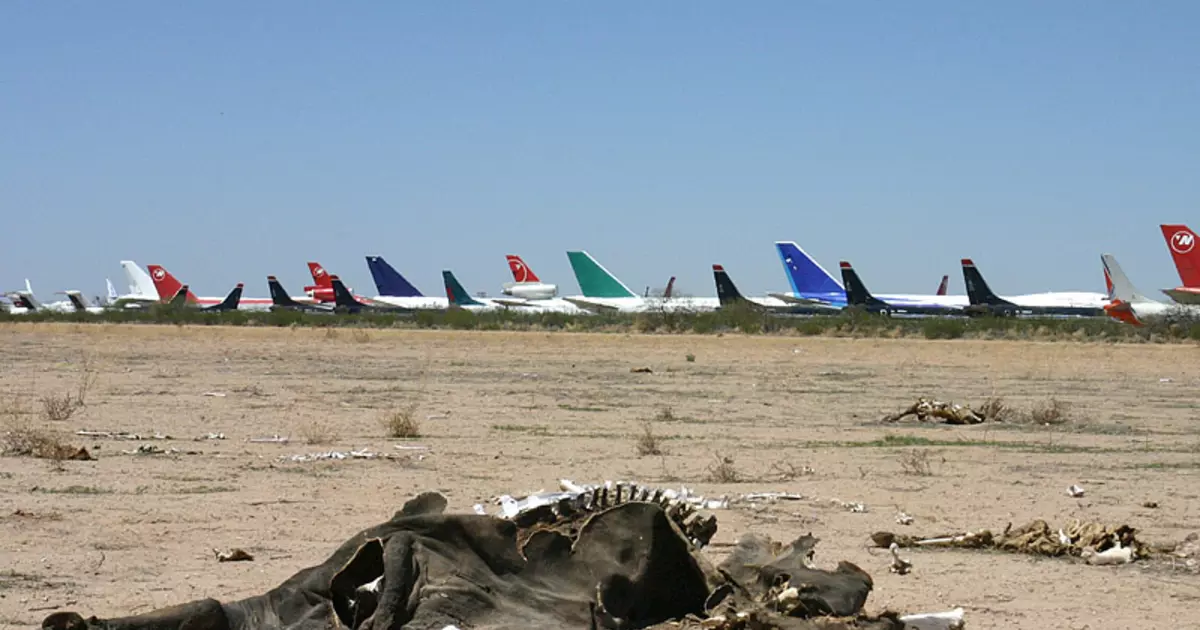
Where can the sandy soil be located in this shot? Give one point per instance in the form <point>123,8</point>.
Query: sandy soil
<point>514,412</point>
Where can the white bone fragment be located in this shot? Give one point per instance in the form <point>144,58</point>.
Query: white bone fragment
<point>950,620</point>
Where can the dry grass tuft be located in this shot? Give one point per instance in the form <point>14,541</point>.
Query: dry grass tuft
<point>360,336</point>
<point>787,471</point>
<point>665,414</point>
<point>1050,411</point>
<point>994,409</point>
<point>402,423</point>
<point>722,470</point>
<point>647,443</point>
<point>916,462</point>
<point>58,407</point>
<point>318,433</point>
<point>20,436</point>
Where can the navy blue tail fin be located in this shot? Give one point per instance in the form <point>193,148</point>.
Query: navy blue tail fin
<point>727,291</point>
<point>388,281</point>
<point>342,295</point>
<point>231,301</point>
<point>856,291</point>
<point>279,296</point>
<point>978,291</point>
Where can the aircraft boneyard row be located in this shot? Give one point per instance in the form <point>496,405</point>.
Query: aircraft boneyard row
<point>814,291</point>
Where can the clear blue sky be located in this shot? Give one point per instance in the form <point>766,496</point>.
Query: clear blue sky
<point>231,140</point>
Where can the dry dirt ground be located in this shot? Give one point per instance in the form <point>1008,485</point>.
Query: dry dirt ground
<point>514,412</point>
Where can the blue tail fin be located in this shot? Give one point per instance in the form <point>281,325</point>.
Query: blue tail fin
<point>388,281</point>
<point>805,274</point>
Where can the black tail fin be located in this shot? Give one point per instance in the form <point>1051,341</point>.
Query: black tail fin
<point>231,301</point>
<point>856,292</point>
<point>727,292</point>
<point>341,295</point>
<point>978,291</point>
<point>279,297</point>
<point>670,286</point>
<point>179,300</point>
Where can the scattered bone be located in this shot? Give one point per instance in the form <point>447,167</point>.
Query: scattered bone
<point>948,413</point>
<point>152,449</point>
<point>904,519</point>
<point>1074,491</point>
<point>410,447</point>
<point>359,454</point>
<point>950,620</point>
<point>213,394</point>
<point>122,435</point>
<point>212,436</point>
<point>857,508</point>
<point>1113,555</point>
<point>899,565</point>
<point>233,555</point>
<point>274,439</point>
<point>1033,538</point>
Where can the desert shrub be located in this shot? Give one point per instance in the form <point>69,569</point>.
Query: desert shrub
<point>402,423</point>
<point>647,443</point>
<point>723,470</point>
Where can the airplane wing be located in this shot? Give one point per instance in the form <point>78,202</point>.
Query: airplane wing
<point>592,306</point>
<point>511,301</point>
<point>1183,295</point>
<point>791,299</point>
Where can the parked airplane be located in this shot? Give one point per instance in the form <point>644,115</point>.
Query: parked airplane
<point>396,290</point>
<point>1076,303</point>
<point>811,283</point>
<point>525,283</point>
<point>603,292</point>
<point>81,303</point>
<point>728,296</point>
<point>27,301</point>
<point>859,297</point>
<point>167,287</point>
<point>281,301</point>
<point>941,290</point>
<point>142,292</point>
<point>230,303</point>
<point>1181,242</point>
<point>1130,305</point>
<point>458,297</point>
<point>346,302</point>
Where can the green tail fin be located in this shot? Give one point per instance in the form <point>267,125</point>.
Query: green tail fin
<point>455,291</point>
<point>594,279</point>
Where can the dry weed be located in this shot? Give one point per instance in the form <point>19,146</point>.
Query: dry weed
<point>360,336</point>
<point>916,462</point>
<point>1050,411</point>
<point>666,414</point>
<point>318,433</point>
<point>647,443</point>
<point>722,470</point>
<point>21,437</point>
<point>787,471</point>
<point>58,407</point>
<point>995,409</point>
<point>402,423</point>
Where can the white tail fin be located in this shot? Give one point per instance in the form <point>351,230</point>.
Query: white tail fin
<point>28,287</point>
<point>139,281</point>
<point>112,291</point>
<point>1123,289</point>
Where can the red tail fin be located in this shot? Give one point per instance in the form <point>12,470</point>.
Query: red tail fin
<point>942,287</point>
<point>166,284</point>
<point>319,275</point>
<point>1108,287</point>
<point>520,271</point>
<point>1182,243</point>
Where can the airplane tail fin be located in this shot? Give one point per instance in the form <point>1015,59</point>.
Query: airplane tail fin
<point>1122,288</point>
<point>231,301</point>
<point>1181,241</point>
<point>388,281</point>
<point>455,292</point>
<point>594,280</point>
<point>140,282</point>
<point>181,297</point>
<point>856,291</point>
<point>279,295</point>
<point>341,295</point>
<point>978,291</point>
<point>520,271</point>
<point>112,291</point>
<point>944,285</point>
<point>727,291</point>
<point>28,287</point>
<point>670,287</point>
<point>804,273</point>
<point>78,300</point>
<point>319,275</point>
<point>166,284</point>
<point>1108,283</point>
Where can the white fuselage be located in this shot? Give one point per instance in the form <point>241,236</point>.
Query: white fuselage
<point>530,290</point>
<point>648,304</point>
<point>424,302</point>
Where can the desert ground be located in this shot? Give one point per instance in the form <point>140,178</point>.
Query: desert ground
<point>513,412</point>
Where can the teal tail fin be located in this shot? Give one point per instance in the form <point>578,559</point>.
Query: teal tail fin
<point>455,292</point>
<point>594,279</point>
